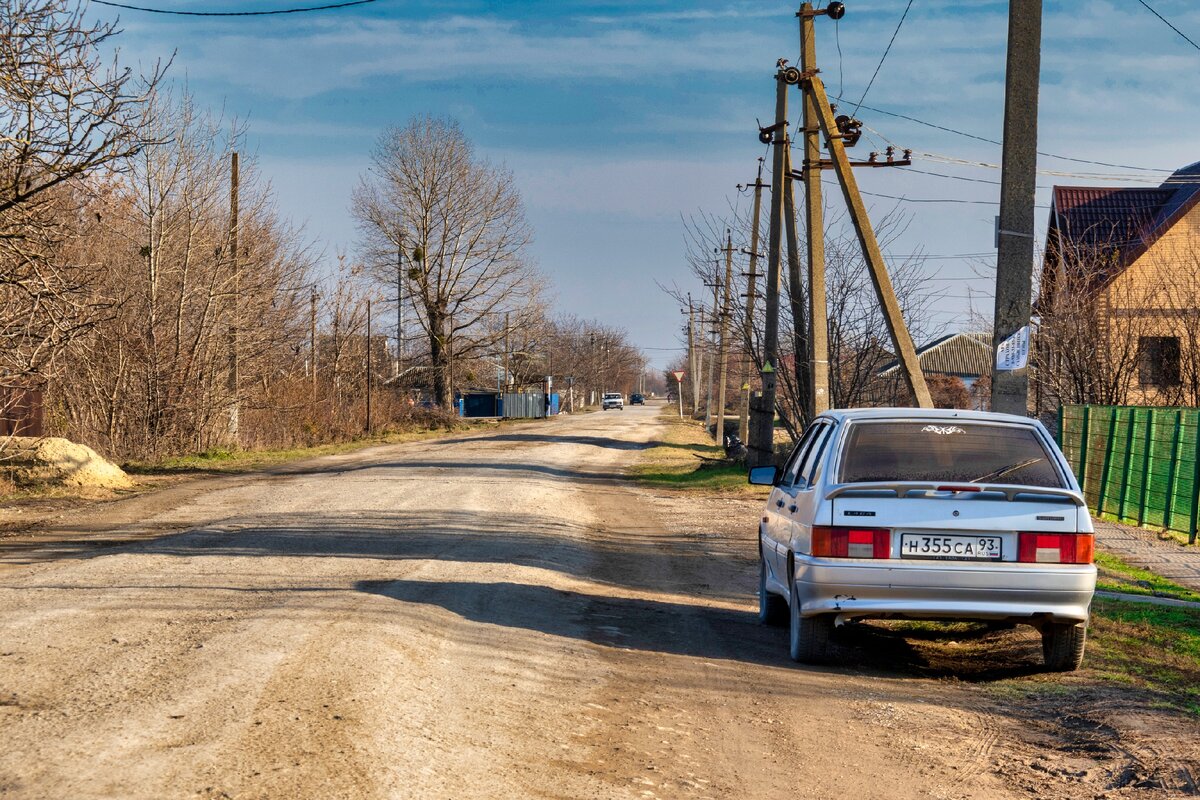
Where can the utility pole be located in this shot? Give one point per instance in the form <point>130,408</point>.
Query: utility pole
<point>312,338</point>
<point>694,357</point>
<point>800,331</point>
<point>1014,258</point>
<point>708,403</point>
<point>507,381</point>
<point>233,377</point>
<point>368,428</point>
<point>450,366</point>
<point>840,133</point>
<point>399,305</point>
<point>751,289</point>
<point>761,446</point>
<point>719,434</point>
<point>818,331</point>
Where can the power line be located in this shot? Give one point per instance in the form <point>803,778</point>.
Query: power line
<point>1167,22</point>
<point>886,50</point>
<point>996,142</point>
<point>233,13</point>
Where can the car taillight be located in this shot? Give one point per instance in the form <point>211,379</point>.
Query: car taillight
<point>1055,548</point>
<point>851,542</point>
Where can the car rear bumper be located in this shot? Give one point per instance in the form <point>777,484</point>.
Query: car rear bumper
<point>944,590</point>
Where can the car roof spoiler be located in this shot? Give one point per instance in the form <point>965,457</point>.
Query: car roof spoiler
<point>902,488</point>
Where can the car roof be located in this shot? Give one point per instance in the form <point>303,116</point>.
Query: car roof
<point>851,414</point>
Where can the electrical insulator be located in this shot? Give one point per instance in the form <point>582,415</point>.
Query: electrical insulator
<point>850,128</point>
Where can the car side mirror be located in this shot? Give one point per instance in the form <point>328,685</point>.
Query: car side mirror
<point>764,476</point>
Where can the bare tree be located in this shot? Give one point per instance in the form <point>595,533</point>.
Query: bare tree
<point>465,223</point>
<point>855,320</point>
<point>1087,342</point>
<point>66,114</point>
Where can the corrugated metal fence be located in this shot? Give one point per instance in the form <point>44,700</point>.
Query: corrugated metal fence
<point>1136,464</point>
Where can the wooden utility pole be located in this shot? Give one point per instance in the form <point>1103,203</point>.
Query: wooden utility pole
<point>761,446</point>
<point>723,347</point>
<point>1014,258</point>
<point>450,359</point>
<point>905,351</point>
<point>233,377</point>
<point>507,382</point>
<point>368,428</point>
<point>814,217</point>
<point>312,338</point>
<point>800,332</point>
<point>399,306</point>
<point>748,326</point>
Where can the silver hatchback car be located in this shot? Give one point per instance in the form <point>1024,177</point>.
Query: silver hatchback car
<point>926,514</point>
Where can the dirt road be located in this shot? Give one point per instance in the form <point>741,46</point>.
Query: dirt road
<point>493,616</point>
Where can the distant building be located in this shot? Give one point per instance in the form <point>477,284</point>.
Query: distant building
<point>966,356</point>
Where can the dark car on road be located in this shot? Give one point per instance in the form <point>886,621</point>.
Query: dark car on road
<point>637,400</point>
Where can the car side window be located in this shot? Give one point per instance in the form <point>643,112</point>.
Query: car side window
<point>792,467</point>
<point>808,469</point>
<point>805,467</point>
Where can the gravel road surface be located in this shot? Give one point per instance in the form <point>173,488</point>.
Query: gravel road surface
<point>487,615</point>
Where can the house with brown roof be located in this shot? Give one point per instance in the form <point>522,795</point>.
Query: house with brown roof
<point>965,357</point>
<point>1117,303</point>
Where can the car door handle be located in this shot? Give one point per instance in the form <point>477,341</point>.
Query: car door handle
<point>792,509</point>
<point>779,504</point>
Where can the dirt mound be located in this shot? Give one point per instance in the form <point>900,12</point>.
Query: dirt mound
<point>28,460</point>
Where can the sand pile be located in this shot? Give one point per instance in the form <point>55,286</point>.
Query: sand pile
<point>27,460</point>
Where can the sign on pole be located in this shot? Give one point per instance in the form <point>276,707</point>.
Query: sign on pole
<point>1013,352</point>
<point>679,389</point>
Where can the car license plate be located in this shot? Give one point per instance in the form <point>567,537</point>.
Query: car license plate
<point>956,548</point>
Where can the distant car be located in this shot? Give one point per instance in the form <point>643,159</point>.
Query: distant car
<point>926,514</point>
<point>637,400</point>
<point>612,400</point>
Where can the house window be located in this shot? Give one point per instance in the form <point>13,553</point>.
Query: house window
<point>1158,361</point>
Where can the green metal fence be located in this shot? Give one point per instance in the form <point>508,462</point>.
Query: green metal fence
<point>1136,464</point>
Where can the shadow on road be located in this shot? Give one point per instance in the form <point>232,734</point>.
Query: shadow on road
<point>715,633</point>
<point>545,438</point>
<point>470,469</point>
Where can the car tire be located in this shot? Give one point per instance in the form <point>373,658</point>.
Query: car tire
<point>1063,644</point>
<point>808,640</point>
<point>772,609</point>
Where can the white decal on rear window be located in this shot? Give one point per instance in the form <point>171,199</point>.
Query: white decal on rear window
<point>944,430</point>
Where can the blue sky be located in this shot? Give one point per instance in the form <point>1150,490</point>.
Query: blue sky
<point>620,118</point>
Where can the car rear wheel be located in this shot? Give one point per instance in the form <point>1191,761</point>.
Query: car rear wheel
<point>772,609</point>
<point>1063,644</point>
<point>808,641</point>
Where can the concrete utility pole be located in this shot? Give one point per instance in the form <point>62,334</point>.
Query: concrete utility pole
<point>708,402</point>
<point>694,356</point>
<point>905,351</point>
<point>723,347</point>
<point>1014,259</point>
<point>312,338</point>
<point>761,446</point>
<point>800,332</point>
<point>748,327</point>
<point>233,377</point>
<point>368,427</point>
<point>814,217</point>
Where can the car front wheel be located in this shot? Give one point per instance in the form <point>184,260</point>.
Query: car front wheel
<point>771,607</point>
<point>1063,644</point>
<point>808,640</point>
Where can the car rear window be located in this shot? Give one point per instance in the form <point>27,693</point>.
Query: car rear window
<point>946,452</point>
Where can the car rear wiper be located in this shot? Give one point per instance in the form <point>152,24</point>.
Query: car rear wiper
<point>1005,470</point>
